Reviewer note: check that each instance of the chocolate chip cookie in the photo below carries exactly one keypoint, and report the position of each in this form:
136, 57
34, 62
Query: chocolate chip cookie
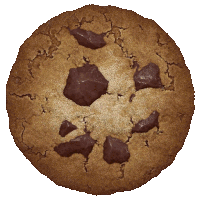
100, 100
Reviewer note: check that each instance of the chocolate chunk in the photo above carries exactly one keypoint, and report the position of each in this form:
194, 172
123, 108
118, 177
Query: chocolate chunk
146, 124
82, 144
148, 76
85, 85
88, 38
115, 151
66, 127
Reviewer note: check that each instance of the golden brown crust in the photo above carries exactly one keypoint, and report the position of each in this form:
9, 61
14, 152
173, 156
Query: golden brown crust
37, 107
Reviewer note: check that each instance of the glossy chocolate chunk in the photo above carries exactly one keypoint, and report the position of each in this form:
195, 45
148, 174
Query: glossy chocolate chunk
115, 151
88, 38
146, 124
66, 127
82, 144
148, 76
85, 85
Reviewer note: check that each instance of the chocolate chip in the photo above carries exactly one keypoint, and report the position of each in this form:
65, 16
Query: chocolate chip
146, 124
82, 144
131, 97
85, 85
115, 151
88, 39
66, 127
148, 76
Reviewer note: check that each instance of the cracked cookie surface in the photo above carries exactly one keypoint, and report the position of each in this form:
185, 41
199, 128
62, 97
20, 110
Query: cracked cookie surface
100, 99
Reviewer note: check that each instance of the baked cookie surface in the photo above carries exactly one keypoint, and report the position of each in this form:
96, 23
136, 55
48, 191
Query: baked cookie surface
100, 100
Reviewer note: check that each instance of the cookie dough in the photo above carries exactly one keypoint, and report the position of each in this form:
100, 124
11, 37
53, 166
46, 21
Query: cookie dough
100, 100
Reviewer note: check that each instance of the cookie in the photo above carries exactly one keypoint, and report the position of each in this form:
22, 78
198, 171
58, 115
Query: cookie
100, 100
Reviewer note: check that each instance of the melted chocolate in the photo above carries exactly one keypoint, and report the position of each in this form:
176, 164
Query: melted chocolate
88, 38
148, 76
115, 151
66, 127
146, 124
82, 144
85, 85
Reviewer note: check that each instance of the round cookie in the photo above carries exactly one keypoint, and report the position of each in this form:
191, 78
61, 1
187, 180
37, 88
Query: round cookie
100, 100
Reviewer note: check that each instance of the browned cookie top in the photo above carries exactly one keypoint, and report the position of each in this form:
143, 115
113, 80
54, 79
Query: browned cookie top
100, 99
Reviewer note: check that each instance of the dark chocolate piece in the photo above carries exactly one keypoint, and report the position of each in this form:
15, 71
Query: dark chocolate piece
85, 85
82, 144
146, 124
148, 76
115, 151
88, 39
66, 127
